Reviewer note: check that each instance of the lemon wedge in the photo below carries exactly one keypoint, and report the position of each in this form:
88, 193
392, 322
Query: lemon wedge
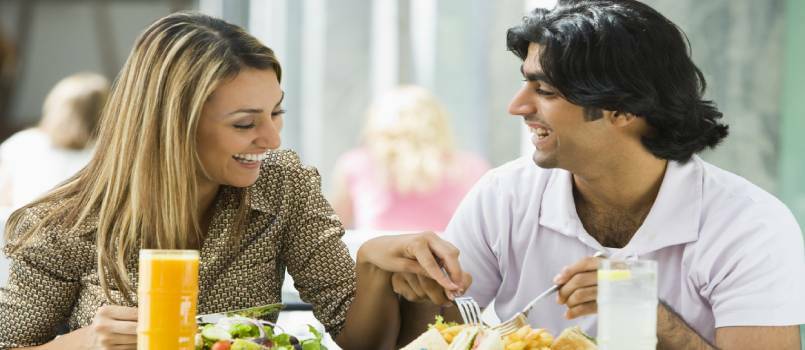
614, 275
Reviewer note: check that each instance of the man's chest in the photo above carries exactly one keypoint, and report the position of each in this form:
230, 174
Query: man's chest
611, 228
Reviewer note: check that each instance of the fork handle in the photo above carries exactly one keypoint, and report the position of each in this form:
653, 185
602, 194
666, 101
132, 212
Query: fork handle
552, 289
545, 293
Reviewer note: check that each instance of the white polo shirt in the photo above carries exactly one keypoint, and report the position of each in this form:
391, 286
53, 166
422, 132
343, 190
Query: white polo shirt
728, 253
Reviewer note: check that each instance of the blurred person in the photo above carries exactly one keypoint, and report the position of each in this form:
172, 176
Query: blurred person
407, 175
35, 160
187, 158
617, 114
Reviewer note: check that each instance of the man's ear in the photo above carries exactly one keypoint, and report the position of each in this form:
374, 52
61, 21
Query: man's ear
620, 119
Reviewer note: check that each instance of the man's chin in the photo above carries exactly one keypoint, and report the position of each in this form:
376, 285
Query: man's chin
543, 161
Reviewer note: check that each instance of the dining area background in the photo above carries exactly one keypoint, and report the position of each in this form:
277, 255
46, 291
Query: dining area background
346, 53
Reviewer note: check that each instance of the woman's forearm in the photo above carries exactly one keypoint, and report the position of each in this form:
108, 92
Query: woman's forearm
373, 319
76, 339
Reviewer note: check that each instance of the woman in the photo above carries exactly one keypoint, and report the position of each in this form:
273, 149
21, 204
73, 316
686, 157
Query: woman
35, 160
408, 175
186, 160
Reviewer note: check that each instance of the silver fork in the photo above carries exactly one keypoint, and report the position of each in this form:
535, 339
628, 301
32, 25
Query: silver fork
469, 309
521, 319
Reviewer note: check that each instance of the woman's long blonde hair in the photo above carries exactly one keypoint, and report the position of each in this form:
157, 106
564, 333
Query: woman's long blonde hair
408, 135
142, 181
72, 109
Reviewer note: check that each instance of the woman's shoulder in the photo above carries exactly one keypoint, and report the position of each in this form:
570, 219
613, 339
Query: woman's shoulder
47, 220
284, 166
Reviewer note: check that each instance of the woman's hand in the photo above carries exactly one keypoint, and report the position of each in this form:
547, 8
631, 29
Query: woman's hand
114, 327
424, 266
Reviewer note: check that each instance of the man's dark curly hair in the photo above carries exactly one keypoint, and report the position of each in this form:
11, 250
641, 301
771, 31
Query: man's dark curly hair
622, 55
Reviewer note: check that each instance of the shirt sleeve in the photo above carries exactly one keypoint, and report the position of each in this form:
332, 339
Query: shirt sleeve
41, 290
318, 261
472, 230
759, 280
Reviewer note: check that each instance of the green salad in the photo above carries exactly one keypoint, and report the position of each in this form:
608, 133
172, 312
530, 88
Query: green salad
244, 333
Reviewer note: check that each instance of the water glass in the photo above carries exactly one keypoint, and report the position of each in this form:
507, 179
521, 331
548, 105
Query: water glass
627, 304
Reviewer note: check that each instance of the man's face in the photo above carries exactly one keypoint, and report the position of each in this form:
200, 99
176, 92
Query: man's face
561, 136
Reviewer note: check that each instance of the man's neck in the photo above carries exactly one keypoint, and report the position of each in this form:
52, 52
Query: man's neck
614, 196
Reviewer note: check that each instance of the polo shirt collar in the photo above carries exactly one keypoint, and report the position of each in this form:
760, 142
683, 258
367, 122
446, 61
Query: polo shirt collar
673, 219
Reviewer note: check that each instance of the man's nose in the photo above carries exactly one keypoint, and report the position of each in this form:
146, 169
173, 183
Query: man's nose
521, 104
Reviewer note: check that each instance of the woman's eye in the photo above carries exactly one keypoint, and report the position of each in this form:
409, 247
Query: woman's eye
244, 126
278, 113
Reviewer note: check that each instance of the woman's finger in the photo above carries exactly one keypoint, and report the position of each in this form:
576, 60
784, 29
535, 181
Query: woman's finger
448, 255
423, 254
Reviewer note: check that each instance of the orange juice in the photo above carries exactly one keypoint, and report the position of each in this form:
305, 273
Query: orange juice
167, 298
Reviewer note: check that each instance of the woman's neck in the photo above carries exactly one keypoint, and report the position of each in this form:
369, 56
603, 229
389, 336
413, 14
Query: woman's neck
206, 198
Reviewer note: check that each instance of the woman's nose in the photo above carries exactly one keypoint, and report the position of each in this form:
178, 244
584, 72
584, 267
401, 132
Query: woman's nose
268, 135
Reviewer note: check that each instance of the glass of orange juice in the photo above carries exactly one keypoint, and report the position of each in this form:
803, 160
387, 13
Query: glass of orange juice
167, 298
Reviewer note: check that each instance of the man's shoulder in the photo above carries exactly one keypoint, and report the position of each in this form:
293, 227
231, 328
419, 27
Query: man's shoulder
516, 173
734, 206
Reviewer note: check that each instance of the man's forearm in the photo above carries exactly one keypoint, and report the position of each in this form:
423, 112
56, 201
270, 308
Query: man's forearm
674, 334
373, 319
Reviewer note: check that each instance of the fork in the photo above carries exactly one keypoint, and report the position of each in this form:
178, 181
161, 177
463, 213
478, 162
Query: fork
469, 309
521, 319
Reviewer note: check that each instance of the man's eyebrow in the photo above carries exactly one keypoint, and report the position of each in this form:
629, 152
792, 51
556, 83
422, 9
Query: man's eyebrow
256, 110
534, 76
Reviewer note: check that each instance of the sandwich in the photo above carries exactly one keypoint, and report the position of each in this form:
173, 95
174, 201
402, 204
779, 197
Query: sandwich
573, 339
452, 336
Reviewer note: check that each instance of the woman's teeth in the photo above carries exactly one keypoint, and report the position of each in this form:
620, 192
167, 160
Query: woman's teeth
250, 158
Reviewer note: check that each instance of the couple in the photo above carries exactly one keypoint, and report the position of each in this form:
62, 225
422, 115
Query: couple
187, 160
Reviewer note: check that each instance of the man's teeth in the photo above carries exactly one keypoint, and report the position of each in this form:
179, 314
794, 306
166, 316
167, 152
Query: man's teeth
541, 132
248, 158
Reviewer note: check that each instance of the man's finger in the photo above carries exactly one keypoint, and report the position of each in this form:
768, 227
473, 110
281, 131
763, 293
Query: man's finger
580, 280
582, 310
413, 283
582, 295
433, 290
587, 264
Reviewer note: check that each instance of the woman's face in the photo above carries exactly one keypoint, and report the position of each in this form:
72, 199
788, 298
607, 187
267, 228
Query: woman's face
239, 123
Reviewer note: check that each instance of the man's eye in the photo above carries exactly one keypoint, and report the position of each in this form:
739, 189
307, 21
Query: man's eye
544, 92
244, 126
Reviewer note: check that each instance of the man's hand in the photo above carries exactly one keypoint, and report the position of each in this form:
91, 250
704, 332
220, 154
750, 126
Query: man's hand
424, 266
579, 287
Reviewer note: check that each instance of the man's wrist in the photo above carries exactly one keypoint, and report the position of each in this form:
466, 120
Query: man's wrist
673, 333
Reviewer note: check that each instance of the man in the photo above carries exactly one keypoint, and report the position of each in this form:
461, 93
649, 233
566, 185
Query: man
615, 106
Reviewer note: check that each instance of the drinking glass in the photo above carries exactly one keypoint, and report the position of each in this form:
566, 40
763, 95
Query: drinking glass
627, 304
167, 299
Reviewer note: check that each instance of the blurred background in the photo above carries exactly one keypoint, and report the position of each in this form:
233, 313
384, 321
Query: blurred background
339, 55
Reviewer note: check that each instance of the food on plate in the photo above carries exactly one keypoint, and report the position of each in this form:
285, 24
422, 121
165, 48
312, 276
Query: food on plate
244, 333
573, 339
453, 336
